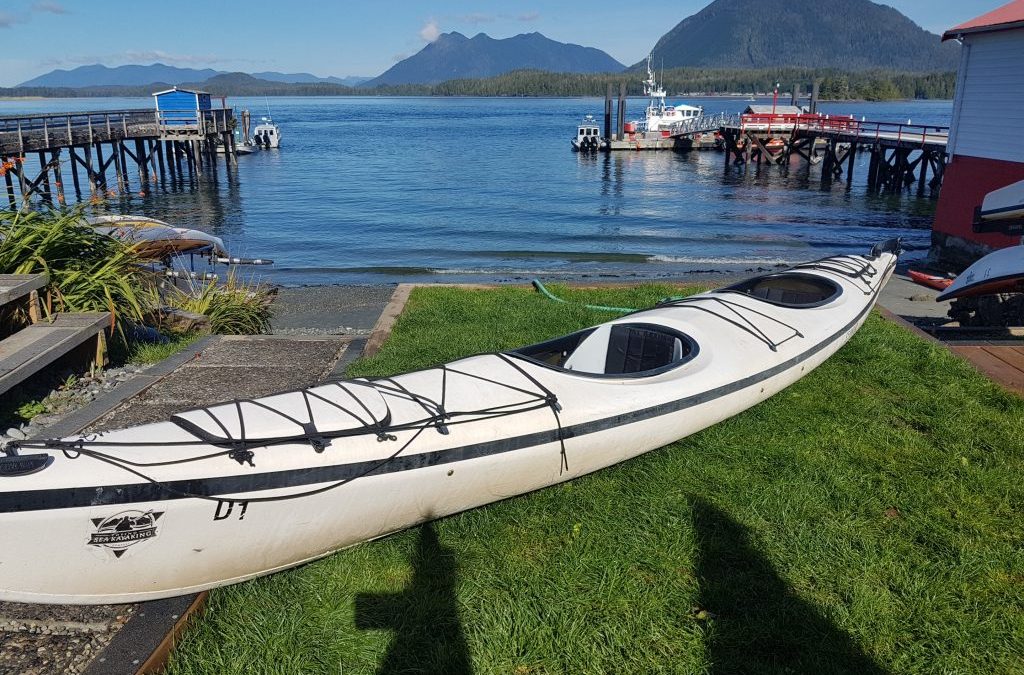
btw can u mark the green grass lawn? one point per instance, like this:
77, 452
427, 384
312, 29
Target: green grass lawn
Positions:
868, 519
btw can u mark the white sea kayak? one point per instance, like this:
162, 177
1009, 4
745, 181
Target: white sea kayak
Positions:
222, 494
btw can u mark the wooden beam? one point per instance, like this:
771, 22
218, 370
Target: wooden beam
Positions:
58, 179
44, 168
74, 171
10, 186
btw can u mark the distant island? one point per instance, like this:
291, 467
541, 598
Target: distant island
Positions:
855, 50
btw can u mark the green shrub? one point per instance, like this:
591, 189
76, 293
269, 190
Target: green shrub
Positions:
88, 271
235, 308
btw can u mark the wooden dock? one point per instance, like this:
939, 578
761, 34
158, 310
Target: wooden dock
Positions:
902, 155
106, 146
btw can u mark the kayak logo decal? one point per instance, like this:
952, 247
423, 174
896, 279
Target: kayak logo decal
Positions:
125, 529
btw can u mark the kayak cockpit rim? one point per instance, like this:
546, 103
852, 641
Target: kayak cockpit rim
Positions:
628, 350
794, 290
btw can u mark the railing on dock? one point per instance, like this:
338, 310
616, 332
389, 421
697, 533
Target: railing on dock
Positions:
845, 125
25, 133
201, 122
31, 132
702, 124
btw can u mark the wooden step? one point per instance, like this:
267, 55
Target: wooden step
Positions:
14, 286
31, 349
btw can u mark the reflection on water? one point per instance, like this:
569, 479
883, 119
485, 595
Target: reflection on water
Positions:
370, 189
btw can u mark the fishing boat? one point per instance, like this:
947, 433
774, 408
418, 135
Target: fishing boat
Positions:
221, 494
660, 116
588, 137
266, 134
154, 239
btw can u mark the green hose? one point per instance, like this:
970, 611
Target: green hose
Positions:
601, 308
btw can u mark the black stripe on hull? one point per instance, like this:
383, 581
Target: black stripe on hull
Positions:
64, 498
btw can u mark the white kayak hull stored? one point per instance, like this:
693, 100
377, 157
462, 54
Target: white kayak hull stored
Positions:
232, 492
1001, 271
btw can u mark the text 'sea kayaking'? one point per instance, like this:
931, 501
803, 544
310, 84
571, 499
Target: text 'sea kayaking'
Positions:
226, 493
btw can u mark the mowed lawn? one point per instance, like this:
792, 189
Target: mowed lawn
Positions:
868, 519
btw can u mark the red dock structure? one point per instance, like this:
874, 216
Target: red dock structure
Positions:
902, 155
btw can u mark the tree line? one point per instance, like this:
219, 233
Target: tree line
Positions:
871, 85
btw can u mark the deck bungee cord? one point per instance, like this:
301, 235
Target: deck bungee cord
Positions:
241, 448
748, 326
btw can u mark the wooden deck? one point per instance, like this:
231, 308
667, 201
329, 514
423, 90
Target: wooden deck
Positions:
1001, 363
1001, 360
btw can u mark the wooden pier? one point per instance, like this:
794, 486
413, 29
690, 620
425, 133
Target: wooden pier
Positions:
902, 155
108, 146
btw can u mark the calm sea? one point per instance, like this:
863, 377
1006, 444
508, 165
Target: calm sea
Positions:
373, 190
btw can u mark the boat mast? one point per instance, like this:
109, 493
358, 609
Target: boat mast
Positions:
651, 89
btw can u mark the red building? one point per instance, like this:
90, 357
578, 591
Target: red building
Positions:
986, 141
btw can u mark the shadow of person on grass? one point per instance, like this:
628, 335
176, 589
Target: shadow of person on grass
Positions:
756, 623
424, 616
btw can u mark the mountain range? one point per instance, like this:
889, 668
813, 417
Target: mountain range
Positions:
454, 56
852, 35
132, 75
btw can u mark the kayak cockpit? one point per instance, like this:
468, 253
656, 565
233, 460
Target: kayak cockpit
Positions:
615, 350
788, 289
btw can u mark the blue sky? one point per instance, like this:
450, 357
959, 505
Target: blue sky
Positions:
363, 37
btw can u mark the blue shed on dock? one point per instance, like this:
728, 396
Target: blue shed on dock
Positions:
178, 107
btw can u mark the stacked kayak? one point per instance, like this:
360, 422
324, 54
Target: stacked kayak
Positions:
222, 494
1001, 271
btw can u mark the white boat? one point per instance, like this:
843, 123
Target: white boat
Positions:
1006, 203
156, 239
659, 116
227, 493
588, 136
1001, 271
266, 134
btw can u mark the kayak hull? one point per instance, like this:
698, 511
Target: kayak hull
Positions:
1001, 271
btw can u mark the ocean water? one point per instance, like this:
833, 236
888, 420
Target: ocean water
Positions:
376, 190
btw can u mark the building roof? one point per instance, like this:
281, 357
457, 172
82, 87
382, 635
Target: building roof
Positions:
174, 89
779, 110
1007, 17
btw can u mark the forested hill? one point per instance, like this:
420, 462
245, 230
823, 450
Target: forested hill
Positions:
454, 55
846, 34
